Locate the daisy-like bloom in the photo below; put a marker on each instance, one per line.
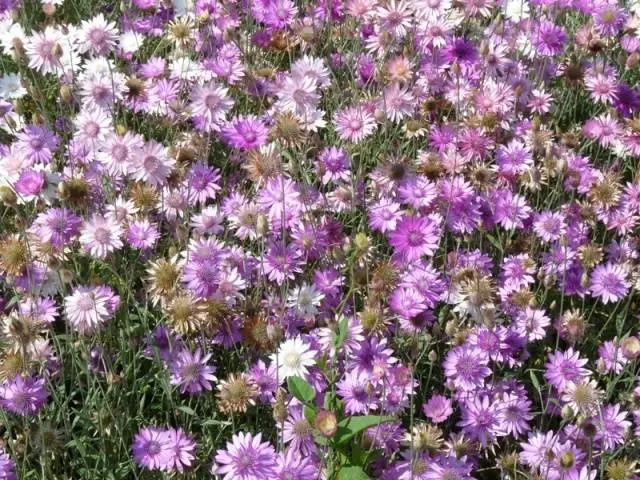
(305, 300)
(549, 39)
(602, 88)
(353, 124)
(37, 143)
(182, 450)
(97, 36)
(533, 323)
(236, 393)
(565, 367)
(384, 215)
(11, 87)
(7, 467)
(438, 408)
(293, 358)
(481, 420)
(466, 368)
(93, 125)
(88, 308)
(245, 132)
(210, 103)
(246, 457)
(550, 226)
(415, 237)
(57, 226)
(397, 102)
(208, 221)
(333, 165)
(293, 466)
(609, 282)
(356, 392)
(511, 209)
(537, 451)
(612, 426)
(515, 414)
(395, 17)
(142, 234)
(152, 164)
(101, 236)
(297, 432)
(23, 395)
(152, 449)
(583, 397)
(42, 310)
(191, 372)
(117, 153)
(46, 49)
(202, 182)
(298, 95)
(313, 68)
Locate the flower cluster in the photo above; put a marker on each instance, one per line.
(268, 221)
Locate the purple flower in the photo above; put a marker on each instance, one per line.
(609, 282)
(246, 457)
(191, 372)
(466, 368)
(438, 408)
(30, 183)
(245, 132)
(414, 237)
(152, 449)
(7, 467)
(23, 395)
(182, 449)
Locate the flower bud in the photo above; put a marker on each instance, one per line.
(326, 423)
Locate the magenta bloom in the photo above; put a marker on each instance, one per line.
(609, 282)
(438, 408)
(30, 183)
(245, 132)
(466, 368)
(415, 237)
(152, 449)
(7, 467)
(23, 395)
(182, 450)
(246, 457)
(191, 372)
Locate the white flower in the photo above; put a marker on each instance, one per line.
(129, 42)
(11, 87)
(305, 300)
(516, 10)
(293, 358)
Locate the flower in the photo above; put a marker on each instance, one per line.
(609, 282)
(23, 395)
(152, 449)
(101, 236)
(438, 408)
(7, 467)
(466, 368)
(293, 358)
(415, 237)
(88, 308)
(191, 372)
(182, 450)
(246, 457)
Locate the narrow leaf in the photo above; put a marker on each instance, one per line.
(350, 427)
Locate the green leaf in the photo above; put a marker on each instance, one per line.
(343, 329)
(352, 472)
(300, 389)
(494, 241)
(310, 414)
(351, 426)
(187, 410)
(535, 381)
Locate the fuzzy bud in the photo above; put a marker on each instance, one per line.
(7, 196)
(326, 423)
